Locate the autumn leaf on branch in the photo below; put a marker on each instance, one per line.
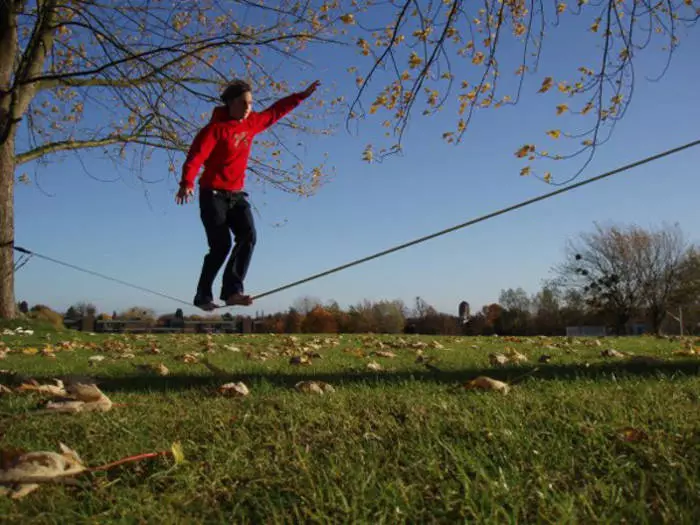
(459, 52)
(134, 81)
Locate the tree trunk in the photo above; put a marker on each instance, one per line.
(7, 229)
(8, 44)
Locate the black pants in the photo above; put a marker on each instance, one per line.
(224, 212)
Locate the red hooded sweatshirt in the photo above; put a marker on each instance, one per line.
(223, 145)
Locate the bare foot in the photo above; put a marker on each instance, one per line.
(239, 299)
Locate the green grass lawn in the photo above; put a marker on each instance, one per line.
(582, 439)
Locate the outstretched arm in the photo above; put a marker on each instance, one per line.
(279, 109)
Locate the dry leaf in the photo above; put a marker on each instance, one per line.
(314, 387)
(234, 389)
(514, 355)
(82, 397)
(159, 368)
(300, 360)
(498, 359)
(632, 435)
(384, 353)
(611, 352)
(26, 469)
(4, 389)
(486, 383)
(373, 365)
(33, 386)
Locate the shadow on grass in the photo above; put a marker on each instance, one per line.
(596, 371)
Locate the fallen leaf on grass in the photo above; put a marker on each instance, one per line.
(234, 389)
(23, 471)
(314, 387)
(384, 353)
(33, 385)
(487, 383)
(373, 365)
(632, 435)
(496, 359)
(178, 454)
(159, 368)
(513, 355)
(300, 360)
(82, 397)
(5, 390)
(189, 358)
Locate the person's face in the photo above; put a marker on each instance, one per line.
(240, 107)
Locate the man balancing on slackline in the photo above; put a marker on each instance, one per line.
(223, 146)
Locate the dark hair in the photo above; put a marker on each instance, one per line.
(235, 89)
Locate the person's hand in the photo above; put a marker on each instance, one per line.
(309, 90)
(184, 195)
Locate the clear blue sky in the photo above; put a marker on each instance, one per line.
(112, 228)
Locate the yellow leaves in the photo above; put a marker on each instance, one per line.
(554, 133)
(433, 97)
(525, 150)
(624, 54)
(617, 99)
(563, 87)
(177, 453)
(595, 26)
(348, 19)
(414, 60)
(478, 58)
(561, 7)
(461, 125)
(525, 171)
(587, 142)
(423, 34)
(519, 29)
(547, 84)
(561, 108)
(587, 108)
(547, 177)
(364, 45)
(368, 154)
